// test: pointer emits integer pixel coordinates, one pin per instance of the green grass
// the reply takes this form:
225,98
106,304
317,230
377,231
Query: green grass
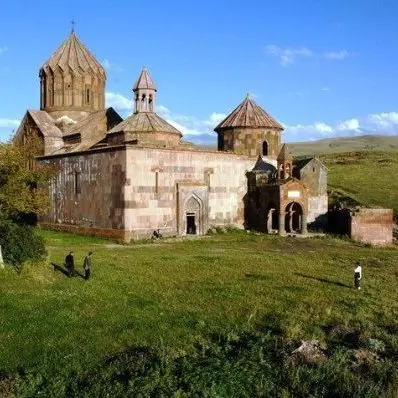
368,177
168,294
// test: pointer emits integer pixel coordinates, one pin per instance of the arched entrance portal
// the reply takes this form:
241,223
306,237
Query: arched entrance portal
192,216
272,220
294,218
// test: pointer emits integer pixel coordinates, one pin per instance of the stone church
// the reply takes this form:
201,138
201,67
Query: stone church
127,178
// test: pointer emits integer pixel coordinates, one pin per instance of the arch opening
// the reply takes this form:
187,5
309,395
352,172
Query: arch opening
293,217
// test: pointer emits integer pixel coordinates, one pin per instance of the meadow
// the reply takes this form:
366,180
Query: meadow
170,296
368,177
217,315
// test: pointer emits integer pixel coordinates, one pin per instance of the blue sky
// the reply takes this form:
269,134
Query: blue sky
323,68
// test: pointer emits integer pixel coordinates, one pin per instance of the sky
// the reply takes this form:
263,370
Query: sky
322,68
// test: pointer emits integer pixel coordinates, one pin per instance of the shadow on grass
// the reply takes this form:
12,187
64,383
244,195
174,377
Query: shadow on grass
65,271
337,283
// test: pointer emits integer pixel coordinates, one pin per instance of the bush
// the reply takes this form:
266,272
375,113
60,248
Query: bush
19,243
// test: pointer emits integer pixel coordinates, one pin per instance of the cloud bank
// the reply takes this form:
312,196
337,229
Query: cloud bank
287,56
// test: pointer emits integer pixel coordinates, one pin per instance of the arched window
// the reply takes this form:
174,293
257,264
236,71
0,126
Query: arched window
265,148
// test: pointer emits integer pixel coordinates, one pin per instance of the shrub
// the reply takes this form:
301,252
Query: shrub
19,243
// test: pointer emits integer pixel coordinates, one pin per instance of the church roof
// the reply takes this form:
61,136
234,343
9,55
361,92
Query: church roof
264,167
72,54
88,125
248,114
145,122
44,122
144,81
284,154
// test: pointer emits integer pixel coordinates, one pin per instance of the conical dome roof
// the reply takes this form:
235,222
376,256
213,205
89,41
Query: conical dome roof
284,154
72,54
248,114
144,81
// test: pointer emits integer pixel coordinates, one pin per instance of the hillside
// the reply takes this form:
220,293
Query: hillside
345,144
368,177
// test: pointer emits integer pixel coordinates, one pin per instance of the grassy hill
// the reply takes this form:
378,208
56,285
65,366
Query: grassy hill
216,316
345,144
368,177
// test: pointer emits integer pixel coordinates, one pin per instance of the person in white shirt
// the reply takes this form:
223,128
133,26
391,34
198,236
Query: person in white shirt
357,275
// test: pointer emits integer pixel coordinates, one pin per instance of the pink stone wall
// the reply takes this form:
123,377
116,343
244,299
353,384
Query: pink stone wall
374,226
152,189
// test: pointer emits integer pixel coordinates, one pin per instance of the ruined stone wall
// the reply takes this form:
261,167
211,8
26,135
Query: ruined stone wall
314,176
88,191
374,226
159,183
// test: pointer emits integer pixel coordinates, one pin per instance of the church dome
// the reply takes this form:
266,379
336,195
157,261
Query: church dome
72,82
248,114
72,55
145,129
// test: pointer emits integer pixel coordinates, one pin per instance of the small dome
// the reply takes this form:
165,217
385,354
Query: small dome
145,123
248,114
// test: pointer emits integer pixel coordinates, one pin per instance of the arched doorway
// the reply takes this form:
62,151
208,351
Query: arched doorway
294,218
192,216
272,220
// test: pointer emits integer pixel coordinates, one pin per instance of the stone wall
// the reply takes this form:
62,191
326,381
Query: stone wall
128,192
374,226
88,191
160,182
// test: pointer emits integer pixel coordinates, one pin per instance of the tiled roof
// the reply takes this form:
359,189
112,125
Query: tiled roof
89,124
262,166
248,114
45,123
144,122
144,81
72,54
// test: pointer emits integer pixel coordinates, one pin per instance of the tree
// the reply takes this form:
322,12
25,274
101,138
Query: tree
23,186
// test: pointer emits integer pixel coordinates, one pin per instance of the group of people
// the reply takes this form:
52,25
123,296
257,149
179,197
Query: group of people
70,265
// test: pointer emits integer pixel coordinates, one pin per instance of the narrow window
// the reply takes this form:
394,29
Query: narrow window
88,96
78,187
265,148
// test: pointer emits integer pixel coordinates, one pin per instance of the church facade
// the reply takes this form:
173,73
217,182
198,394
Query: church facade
127,178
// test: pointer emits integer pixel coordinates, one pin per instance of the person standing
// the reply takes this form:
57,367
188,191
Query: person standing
70,263
87,266
358,275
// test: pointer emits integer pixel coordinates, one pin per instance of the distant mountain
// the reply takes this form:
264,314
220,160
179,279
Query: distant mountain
345,144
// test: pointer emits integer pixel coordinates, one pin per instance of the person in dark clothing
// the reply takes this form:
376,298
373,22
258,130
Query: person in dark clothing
357,275
70,263
87,266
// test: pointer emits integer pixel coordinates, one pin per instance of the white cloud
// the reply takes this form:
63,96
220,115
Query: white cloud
9,123
385,120
325,89
110,65
336,55
385,123
287,56
350,124
119,102
3,50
